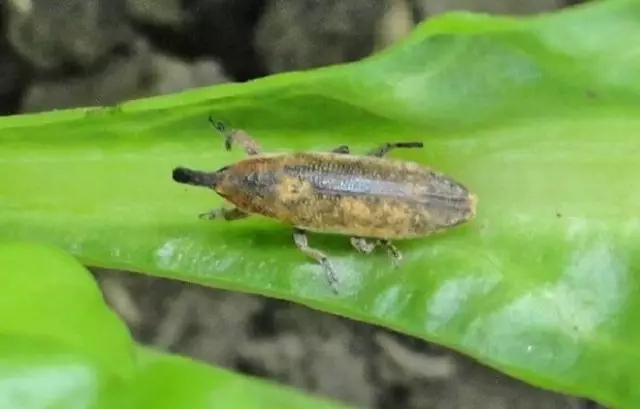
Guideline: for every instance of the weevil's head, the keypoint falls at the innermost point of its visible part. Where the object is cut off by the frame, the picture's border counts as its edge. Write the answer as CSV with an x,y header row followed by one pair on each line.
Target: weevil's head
x,y
196,177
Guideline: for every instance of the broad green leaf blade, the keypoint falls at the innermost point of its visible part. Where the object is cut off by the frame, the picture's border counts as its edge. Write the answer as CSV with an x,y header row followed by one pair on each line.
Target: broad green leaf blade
x,y
538,116
61,347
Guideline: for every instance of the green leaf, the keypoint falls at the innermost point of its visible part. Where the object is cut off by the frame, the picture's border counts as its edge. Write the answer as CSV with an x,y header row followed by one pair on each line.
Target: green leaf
x,y
61,347
538,116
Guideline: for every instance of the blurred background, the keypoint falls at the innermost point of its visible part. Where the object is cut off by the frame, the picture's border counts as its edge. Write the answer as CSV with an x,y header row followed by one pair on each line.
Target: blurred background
x,y
71,53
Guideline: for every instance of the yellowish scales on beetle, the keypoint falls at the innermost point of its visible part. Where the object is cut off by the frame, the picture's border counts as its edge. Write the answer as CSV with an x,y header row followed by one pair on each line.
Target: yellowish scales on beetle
x,y
370,198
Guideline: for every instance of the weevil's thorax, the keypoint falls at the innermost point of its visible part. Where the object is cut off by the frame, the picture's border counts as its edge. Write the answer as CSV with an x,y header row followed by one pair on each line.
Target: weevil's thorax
x,y
249,184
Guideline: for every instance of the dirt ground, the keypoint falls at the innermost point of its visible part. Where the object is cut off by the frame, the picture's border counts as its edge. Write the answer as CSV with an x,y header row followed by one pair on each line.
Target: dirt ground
x,y
88,52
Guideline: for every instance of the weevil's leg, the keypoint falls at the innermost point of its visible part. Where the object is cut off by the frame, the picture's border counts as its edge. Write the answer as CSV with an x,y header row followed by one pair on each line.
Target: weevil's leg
x,y
341,149
362,245
224,214
396,256
384,149
300,238
231,136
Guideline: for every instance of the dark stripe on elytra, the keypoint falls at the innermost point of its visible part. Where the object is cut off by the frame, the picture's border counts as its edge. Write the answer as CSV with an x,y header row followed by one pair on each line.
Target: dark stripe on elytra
x,y
341,184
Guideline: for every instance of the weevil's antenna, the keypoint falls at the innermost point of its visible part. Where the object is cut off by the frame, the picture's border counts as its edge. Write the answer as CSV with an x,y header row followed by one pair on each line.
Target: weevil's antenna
x,y
219,125
226,132
409,145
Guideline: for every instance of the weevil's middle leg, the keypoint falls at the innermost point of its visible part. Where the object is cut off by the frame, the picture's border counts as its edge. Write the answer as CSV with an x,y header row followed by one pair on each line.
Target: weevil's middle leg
x,y
395,254
250,145
362,245
300,238
225,214
384,149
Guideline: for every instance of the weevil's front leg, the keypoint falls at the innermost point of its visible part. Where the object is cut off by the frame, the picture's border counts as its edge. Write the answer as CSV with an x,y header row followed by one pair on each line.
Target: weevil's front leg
x,y
300,238
250,145
384,149
224,214
341,149
362,245
395,254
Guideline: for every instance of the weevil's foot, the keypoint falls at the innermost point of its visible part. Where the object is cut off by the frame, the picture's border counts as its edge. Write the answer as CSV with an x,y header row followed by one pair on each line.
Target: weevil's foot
x,y
362,245
396,260
210,215
341,149
394,253
224,214
330,273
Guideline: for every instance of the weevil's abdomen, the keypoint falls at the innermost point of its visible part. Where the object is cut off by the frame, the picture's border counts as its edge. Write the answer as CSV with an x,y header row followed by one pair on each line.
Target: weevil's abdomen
x,y
373,197
353,195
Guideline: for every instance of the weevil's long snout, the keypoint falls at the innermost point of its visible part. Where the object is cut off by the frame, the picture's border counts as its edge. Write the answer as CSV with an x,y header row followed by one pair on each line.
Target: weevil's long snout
x,y
195,177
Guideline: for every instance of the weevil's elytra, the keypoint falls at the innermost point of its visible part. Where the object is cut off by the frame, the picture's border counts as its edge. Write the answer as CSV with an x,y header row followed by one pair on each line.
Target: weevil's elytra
x,y
370,198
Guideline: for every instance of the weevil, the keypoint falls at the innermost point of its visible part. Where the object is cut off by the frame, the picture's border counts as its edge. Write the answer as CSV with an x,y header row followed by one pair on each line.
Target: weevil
x,y
369,198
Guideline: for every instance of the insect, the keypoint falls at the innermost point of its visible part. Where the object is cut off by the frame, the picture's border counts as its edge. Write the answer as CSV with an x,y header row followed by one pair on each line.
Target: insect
x,y
369,198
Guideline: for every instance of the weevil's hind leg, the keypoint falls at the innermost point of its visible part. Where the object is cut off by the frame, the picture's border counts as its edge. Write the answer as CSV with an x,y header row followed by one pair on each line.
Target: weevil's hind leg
x,y
362,245
300,238
341,149
224,214
366,246
384,149
231,136
395,254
